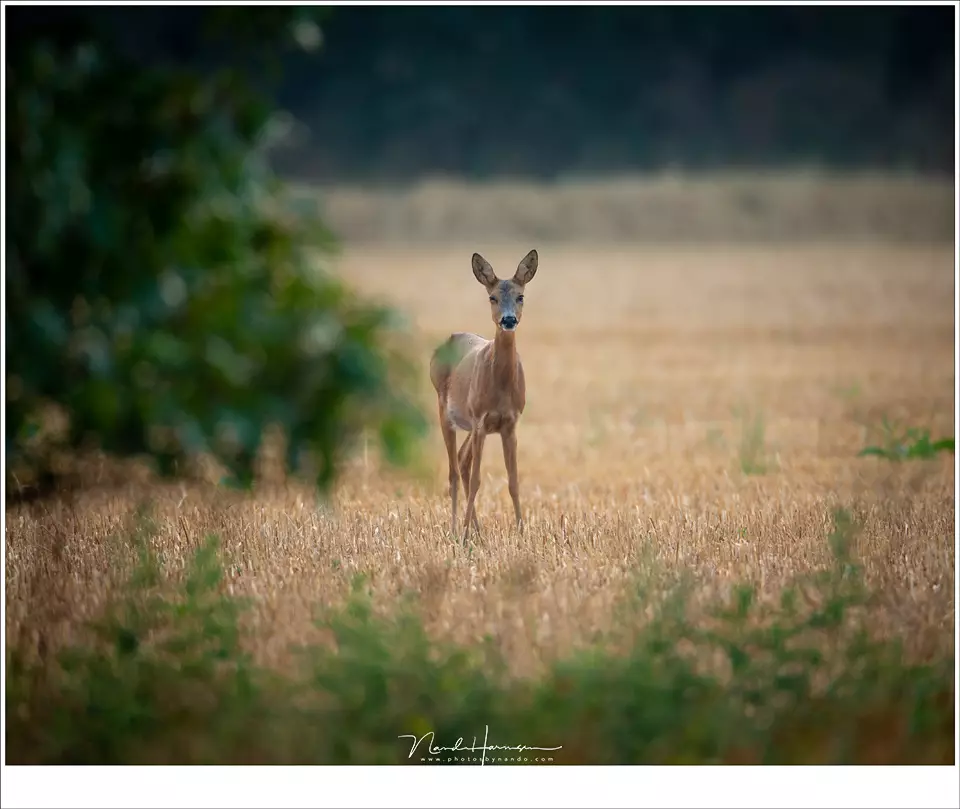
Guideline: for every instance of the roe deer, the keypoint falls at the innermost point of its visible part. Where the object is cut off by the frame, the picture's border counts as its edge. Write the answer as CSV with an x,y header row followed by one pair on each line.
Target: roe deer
x,y
480,388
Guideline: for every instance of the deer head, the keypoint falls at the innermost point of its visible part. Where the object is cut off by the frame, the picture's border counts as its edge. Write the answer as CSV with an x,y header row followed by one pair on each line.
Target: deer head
x,y
506,297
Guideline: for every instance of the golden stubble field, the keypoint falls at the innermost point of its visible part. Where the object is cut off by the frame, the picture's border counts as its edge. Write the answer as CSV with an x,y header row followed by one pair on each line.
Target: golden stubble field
x,y
654,376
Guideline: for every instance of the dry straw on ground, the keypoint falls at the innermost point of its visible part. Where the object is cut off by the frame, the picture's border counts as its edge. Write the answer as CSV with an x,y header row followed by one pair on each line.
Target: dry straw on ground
x,y
689,410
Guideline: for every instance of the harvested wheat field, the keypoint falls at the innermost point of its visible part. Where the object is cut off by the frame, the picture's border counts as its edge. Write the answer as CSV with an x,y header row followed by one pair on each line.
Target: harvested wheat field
x,y
690,412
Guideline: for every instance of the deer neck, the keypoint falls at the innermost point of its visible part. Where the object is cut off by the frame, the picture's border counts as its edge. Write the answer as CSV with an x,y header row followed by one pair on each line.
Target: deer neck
x,y
505,358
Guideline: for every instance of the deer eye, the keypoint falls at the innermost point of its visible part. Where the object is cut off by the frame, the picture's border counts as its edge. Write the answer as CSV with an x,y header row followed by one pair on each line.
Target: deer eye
x,y
492,299
519,298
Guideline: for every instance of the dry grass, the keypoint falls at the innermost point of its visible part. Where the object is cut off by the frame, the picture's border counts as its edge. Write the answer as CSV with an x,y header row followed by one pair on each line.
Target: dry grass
x,y
669,207
644,367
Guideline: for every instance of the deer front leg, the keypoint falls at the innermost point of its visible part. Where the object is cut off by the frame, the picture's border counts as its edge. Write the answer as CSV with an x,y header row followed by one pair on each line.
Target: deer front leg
x,y
465,461
476,450
509,439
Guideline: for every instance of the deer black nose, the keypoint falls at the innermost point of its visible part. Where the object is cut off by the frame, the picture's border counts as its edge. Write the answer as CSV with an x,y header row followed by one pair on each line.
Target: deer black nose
x,y
508,322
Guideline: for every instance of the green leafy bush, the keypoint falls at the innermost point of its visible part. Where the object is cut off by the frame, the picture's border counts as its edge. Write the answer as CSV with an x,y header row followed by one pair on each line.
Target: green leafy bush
x,y
164,293
166,680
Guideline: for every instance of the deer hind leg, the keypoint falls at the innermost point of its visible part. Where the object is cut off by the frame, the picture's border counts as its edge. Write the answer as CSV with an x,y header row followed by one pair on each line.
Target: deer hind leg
x,y
465,460
450,440
477,437
509,438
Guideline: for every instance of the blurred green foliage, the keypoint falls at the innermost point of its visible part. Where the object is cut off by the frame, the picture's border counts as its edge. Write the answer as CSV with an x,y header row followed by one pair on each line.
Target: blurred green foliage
x,y
167,678
909,443
754,456
162,289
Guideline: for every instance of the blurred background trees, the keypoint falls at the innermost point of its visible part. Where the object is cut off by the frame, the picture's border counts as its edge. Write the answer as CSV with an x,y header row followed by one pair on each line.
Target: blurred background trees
x,y
480,92
163,296
483,92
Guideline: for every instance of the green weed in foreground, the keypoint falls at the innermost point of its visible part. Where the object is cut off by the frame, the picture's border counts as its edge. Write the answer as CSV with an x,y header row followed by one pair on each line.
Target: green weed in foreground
x,y
167,681
907,444
753,455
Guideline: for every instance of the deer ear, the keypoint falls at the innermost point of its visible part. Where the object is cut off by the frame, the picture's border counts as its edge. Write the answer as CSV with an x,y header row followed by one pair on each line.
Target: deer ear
x,y
483,271
527,268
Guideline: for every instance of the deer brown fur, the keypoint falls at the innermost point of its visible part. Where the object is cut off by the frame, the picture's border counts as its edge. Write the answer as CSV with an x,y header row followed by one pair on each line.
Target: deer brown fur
x,y
480,388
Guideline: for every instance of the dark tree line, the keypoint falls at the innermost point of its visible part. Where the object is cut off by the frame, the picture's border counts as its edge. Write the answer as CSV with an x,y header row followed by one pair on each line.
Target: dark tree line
x,y
480,92
540,91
